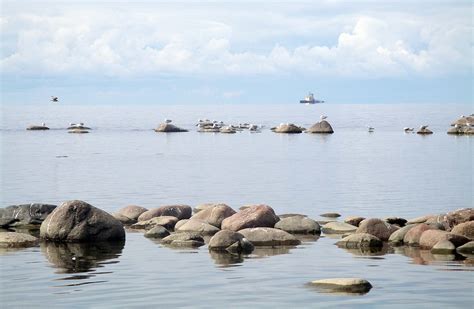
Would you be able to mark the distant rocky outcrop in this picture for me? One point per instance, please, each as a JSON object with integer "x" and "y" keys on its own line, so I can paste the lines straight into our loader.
{"x": 168, "y": 128}
{"x": 78, "y": 221}
{"x": 287, "y": 128}
{"x": 464, "y": 125}
{"x": 424, "y": 130}
{"x": 320, "y": 127}
{"x": 25, "y": 214}
{"x": 37, "y": 128}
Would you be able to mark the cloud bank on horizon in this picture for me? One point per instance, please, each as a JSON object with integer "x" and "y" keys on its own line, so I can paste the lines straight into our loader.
{"x": 235, "y": 39}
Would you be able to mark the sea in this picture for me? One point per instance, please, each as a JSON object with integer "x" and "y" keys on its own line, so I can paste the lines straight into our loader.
{"x": 122, "y": 161}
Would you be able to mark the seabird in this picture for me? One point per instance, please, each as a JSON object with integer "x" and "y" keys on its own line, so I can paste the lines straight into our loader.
{"x": 167, "y": 120}
{"x": 54, "y": 99}
{"x": 322, "y": 117}
{"x": 423, "y": 127}
{"x": 407, "y": 129}
{"x": 43, "y": 124}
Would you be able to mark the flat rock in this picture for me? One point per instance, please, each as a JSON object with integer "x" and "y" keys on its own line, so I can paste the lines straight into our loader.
{"x": 288, "y": 128}
{"x": 214, "y": 215}
{"x": 26, "y": 214}
{"x": 157, "y": 232}
{"x": 360, "y": 240}
{"x": 424, "y": 131}
{"x": 338, "y": 228}
{"x": 376, "y": 227}
{"x": 354, "y": 220}
{"x": 169, "y": 128}
{"x": 266, "y": 236}
{"x": 178, "y": 211}
{"x": 330, "y": 215}
{"x": 231, "y": 241}
{"x": 298, "y": 225}
{"x": 78, "y": 221}
{"x": 253, "y": 216}
{"x": 443, "y": 247}
{"x": 431, "y": 237}
{"x": 350, "y": 285}
{"x": 320, "y": 127}
{"x": 37, "y": 128}
{"x": 167, "y": 222}
{"x": 198, "y": 227}
{"x": 183, "y": 240}
{"x": 132, "y": 211}
{"x": 465, "y": 229}
{"x": 17, "y": 240}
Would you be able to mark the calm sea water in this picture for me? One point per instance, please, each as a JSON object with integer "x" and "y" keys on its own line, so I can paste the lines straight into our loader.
{"x": 122, "y": 161}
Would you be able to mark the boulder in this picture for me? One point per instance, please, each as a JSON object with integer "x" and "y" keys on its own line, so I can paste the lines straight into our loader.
{"x": 443, "y": 247}
{"x": 398, "y": 236}
{"x": 348, "y": 285}
{"x": 421, "y": 219}
{"x": 360, "y": 240}
{"x": 198, "y": 227}
{"x": 214, "y": 215}
{"x": 17, "y": 240}
{"x": 320, "y": 127}
{"x": 167, "y": 222}
{"x": 330, "y": 215}
{"x": 453, "y": 218}
{"x": 204, "y": 206}
{"x": 132, "y": 211}
{"x": 464, "y": 120}
{"x": 335, "y": 227}
{"x": 37, "y": 128}
{"x": 460, "y": 130}
{"x": 298, "y": 225}
{"x": 424, "y": 131}
{"x": 228, "y": 130}
{"x": 267, "y": 236}
{"x": 355, "y": 221}
{"x": 253, "y": 216}
{"x": 183, "y": 240}
{"x": 231, "y": 241}
{"x": 78, "y": 131}
{"x": 396, "y": 220}
{"x": 25, "y": 214}
{"x": 157, "y": 232}
{"x": 429, "y": 238}
{"x": 178, "y": 211}
{"x": 465, "y": 229}
{"x": 77, "y": 221}
{"x": 180, "y": 223}
{"x": 168, "y": 128}
{"x": 467, "y": 248}
{"x": 288, "y": 128}
{"x": 125, "y": 220}
{"x": 376, "y": 227}
{"x": 412, "y": 237}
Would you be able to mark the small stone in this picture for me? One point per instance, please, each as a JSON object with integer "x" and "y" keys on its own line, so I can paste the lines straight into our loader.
{"x": 198, "y": 227}
{"x": 320, "y": 127}
{"x": 348, "y": 285}
{"x": 396, "y": 220}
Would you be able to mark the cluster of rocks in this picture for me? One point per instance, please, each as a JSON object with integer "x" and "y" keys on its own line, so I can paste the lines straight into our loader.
{"x": 322, "y": 127}
{"x": 463, "y": 125}
{"x": 79, "y": 128}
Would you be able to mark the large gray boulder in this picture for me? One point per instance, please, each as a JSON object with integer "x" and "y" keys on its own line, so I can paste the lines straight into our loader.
{"x": 25, "y": 214}
{"x": 231, "y": 241}
{"x": 298, "y": 225}
{"x": 266, "y": 236}
{"x": 178, "y": 211}
{"x": 376, "y": 227}
{"x": 253, "y": 216}
{"x": 360, "y": 240}
{"x": 320, "y": 127}
{"x": 78, "y": 221}
{"x": 198, "y": 227}
{"x": 288, "y": 128}
{"x": 335, "y": 227}
{"x": 214, "y": 215}
{"x": 169, "y": 128}
{"x": 17, "y": 240}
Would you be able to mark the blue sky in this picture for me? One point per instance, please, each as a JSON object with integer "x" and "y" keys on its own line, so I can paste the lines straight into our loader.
{"x": 192, "y": 52}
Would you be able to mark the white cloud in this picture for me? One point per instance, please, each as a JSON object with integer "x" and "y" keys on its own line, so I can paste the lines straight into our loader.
{"x": 220, "y": 40}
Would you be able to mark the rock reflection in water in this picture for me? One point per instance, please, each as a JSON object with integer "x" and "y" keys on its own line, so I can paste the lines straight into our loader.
{"x": 261, "y": 252}
{"x": 425, "y": 257}
{"x": 80, "y": 257}
{"x": 371, "y": 252}
{"x": 226, "y": 259}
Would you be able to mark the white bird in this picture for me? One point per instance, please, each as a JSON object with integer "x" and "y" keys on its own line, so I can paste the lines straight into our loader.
{"x": 43, "y": 124}
{"x": 168, "y": 120}
{"x": 407, "y": 129}
{"x": 423, "y": 127}
{"x": 323, "y": 117}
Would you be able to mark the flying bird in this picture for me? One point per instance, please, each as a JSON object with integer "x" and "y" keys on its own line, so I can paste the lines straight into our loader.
{"x": 54, "y": 99}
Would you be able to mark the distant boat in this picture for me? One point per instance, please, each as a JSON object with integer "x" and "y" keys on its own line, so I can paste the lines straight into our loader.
{"x": 309, "y": 99}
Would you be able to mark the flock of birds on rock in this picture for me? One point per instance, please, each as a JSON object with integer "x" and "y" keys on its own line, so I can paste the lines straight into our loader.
{"x": 207, "y": 125}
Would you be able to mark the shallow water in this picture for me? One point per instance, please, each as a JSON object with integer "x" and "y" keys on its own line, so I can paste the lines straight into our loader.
{"x": 122, "y": 161}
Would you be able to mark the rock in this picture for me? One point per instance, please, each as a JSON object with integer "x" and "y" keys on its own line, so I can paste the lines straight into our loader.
{"x": 78, "y": 131}
{"x": 77, "y": 221}
{"x": 180, "y": 223}
{"x": 443, "y": 247}
{"x": 37, "y": 128}
{"x": 350, "y": 285}
{"x": 430, "y": 237}
{"x": 456, "y": 217}
{"x": 467, "y": 248}
{"x": 355, "y": 221}
{"x": 183, "y": 240}
{"x": 198, "y": 227}
{"x": 287, "y": 128}
{"x": 330, "y": 215}
{"x": 167, "y": 222}
{"x": 214, "y": 215}
{"x": 253, "y": 216}
{"x": 125, "y": 220}
{"x": 26, "y": 214}
{"x": 17, "y": 240}
{"x": 338, "y": 228}
{"x": 228, "y": 130}
{"x": 412, "y": 237}
{"x": 424, "y": 131}
{"x": 157, "y": 232}
{"x": 360, "y": 240}
{"x": 421, "y": 219}
{"x": 6, "y": 222}
{"x": 465, "y": 229}
{"x": 282, "y": 216}
{"x": 376, "y": 227}
{"x": 398, "y": 236}
{"x": 298, "y": 225}
{"x": 178, "y": 211}
{"x": 266, "y": 236}
{"x": 320, "y": 127}
{"x": 463, "y": 121}
{"x": 396, "y": 220}
{"x": 168, "y": 128}
{"x": 230, "y": 241}
{"x": 132, "y": 211}
{"x": 204, "y": 206}
{"x": 460, "y": 130}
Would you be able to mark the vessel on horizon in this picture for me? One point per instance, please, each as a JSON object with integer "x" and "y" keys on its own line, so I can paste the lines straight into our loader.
{"x": 309, "y": 99}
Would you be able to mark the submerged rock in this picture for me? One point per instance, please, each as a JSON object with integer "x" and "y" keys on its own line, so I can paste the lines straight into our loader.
{"x": 320, "y": 127}
{"x": 78, "y": 221}
{"x": 78, "y": 131}
{"x": 467, "y": 248}
{"x": 335, "y": 227}
{"x": 330, "y": 215}
{"x": 298, "y": 225}
{"x": 168, "y": 128}
{"x": 266, "y": 236}
{"x": 348, "y": 285}
{"x": 360, "y": 240}
{"x": 443, "y": 247}
{"x": 25, "y": 214}
{"x": 17, "y": 240}
{"x": 253, "y": 216}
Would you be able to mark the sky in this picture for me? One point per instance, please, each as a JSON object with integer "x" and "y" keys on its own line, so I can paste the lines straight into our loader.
{"x": 249, "y": 52}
